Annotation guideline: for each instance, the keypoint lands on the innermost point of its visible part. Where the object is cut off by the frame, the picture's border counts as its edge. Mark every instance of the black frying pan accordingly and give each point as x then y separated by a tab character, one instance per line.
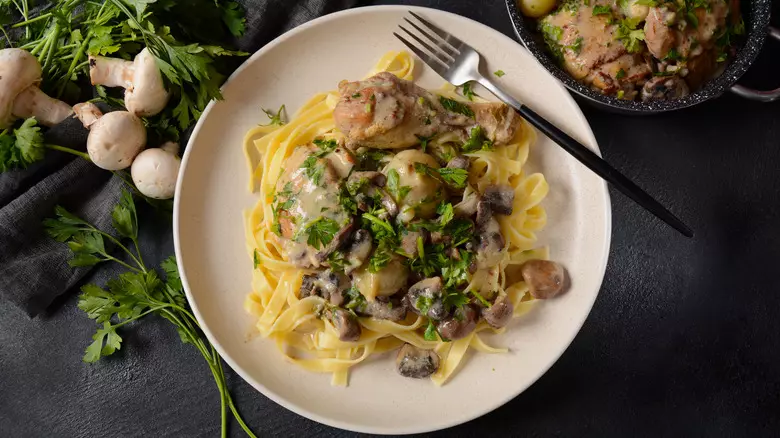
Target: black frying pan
756	15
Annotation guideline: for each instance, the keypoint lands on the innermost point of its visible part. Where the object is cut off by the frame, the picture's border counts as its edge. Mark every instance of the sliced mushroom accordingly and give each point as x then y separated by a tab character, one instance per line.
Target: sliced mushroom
357	251
499	313
545	279
327	284
345	323
425	298
20	97
500	198
383	308
339	239
460	324
145	93
664	88
459	162
415	362
468	206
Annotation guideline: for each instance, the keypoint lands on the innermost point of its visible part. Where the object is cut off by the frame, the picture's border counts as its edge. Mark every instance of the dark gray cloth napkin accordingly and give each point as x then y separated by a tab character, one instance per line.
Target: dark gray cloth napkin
33	267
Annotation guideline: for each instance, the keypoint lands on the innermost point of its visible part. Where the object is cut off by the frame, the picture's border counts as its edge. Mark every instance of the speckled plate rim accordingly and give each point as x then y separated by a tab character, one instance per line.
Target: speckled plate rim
600	264
756	35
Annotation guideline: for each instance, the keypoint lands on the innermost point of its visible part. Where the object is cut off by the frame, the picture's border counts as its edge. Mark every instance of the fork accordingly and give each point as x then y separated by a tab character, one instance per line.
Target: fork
458	63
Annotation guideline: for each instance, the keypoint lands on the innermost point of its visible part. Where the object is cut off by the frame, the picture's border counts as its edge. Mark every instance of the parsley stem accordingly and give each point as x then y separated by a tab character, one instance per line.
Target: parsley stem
31	20
132	268
116	241
55	147
72	67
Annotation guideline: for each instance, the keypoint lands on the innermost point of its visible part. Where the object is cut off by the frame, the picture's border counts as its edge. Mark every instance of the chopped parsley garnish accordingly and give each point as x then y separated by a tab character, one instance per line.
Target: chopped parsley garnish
320	232
468	91
370	159
313	170
356	95
629	35
336	261
673	55
355	300
326	146
602	10
255	259
477	141
480	298
620	74
424	141
446	213
650	3
346	200
274	119
452	176
430	332
620	94
552	36
665	73
423	303
367	108
576	47
456	107
399	192
499	73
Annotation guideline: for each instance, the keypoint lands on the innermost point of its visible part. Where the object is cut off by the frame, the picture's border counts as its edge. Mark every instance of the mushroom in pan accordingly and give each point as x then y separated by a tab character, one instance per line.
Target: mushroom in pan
20	97
415	362
155	171
114	138
545	279
664	88
145	93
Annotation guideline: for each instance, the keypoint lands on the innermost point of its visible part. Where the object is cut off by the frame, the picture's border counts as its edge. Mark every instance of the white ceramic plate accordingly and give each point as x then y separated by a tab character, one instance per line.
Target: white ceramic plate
209	236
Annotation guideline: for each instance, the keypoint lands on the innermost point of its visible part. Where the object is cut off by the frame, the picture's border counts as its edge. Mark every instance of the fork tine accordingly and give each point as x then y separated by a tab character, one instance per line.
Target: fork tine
442	45
438	31
434	63
435	51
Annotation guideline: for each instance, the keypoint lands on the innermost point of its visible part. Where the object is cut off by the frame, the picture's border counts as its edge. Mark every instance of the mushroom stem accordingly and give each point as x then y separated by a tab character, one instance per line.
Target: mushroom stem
88	113
32	102
111	72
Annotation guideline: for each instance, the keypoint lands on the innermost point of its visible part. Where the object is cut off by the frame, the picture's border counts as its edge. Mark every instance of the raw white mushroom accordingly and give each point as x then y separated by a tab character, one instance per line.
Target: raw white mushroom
145	93
155	171
114	138
20	97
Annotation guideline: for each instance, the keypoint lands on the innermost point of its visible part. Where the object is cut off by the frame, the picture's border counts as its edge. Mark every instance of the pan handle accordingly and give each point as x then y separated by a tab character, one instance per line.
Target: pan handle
761	96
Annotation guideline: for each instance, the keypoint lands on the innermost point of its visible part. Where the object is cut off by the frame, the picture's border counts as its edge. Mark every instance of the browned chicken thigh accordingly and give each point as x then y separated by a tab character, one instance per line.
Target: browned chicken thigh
386	112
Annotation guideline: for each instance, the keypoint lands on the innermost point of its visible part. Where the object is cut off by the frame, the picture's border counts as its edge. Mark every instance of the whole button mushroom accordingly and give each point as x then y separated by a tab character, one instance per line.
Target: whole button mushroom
155	171
20	97
145	93
114	138
499	313
545	279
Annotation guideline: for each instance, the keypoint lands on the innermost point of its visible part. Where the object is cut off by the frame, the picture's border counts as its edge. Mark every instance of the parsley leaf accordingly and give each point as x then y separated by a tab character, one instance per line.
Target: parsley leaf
326	146
430	332
393	181
446	213
456	107
23	148
255	259
620	74
233	18
468	91
629	35
313	169
499	73
320	232
602	10
124	217
274	119
477	141
97	349
454	177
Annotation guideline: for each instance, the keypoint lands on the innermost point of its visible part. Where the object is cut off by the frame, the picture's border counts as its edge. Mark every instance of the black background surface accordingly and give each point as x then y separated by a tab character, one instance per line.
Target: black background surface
684	338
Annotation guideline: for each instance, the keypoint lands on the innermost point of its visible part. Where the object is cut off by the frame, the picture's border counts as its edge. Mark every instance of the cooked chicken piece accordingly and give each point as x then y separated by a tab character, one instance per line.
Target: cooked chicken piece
386	112
659	35
307	193
588	40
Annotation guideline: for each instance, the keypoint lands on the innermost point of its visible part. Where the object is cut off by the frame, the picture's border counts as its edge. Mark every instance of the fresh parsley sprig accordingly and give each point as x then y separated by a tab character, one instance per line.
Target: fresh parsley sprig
134	294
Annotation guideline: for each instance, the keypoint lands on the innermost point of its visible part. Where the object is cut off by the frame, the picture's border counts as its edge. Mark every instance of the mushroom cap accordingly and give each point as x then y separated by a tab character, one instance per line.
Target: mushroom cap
154	173
148	96
18	71
115	139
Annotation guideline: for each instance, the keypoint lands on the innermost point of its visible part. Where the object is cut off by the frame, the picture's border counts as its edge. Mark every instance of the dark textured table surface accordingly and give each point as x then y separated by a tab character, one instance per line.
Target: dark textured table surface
684	339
